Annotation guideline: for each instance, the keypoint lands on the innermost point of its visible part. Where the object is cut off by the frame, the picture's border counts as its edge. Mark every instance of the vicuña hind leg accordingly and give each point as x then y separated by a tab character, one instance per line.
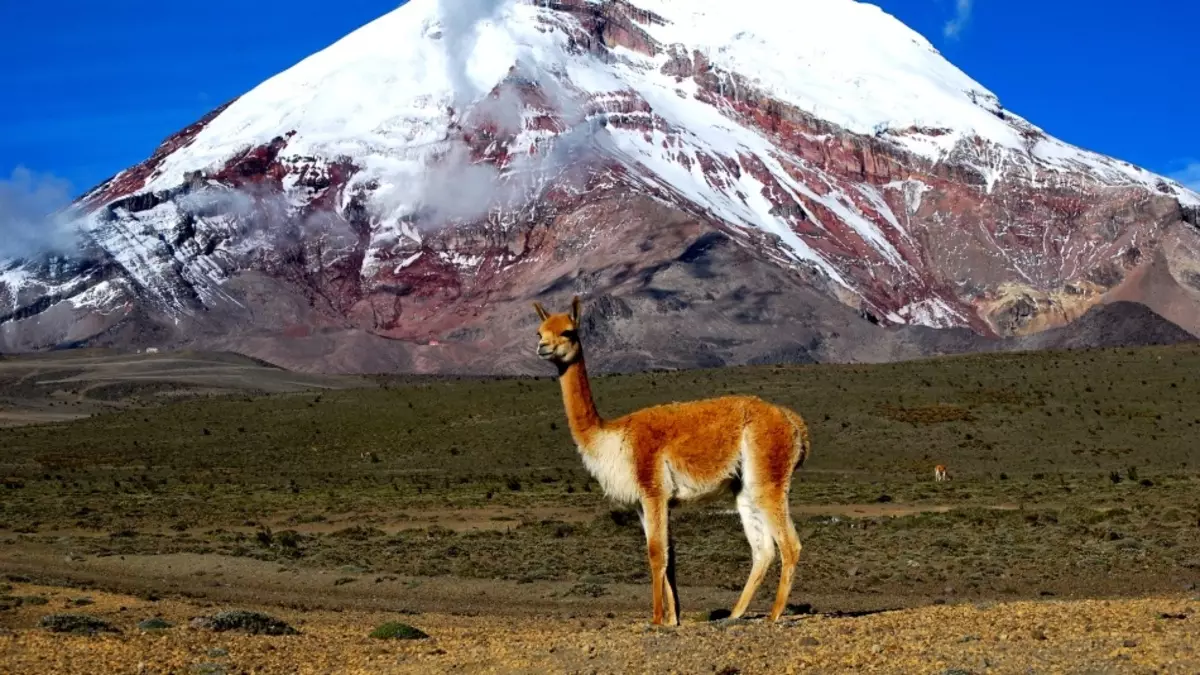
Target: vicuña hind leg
779	521
762	550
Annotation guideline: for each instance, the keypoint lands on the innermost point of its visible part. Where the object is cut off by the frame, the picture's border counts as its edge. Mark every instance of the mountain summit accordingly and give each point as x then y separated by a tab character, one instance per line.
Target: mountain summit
724	182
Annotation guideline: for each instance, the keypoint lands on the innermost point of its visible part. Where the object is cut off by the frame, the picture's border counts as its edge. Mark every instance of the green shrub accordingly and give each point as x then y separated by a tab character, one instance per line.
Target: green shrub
77	624
254	623
394	630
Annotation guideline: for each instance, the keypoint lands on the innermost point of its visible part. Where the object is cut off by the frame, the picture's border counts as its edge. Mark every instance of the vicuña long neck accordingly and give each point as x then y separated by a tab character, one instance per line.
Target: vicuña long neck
581	408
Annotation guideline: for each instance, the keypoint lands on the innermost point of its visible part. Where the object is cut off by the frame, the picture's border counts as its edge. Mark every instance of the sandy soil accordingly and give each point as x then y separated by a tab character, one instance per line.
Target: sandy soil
1127	636
62	386
226	580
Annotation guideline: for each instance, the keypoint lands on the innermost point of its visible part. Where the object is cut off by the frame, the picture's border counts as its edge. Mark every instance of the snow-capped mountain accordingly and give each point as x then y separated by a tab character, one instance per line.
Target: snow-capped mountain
728	182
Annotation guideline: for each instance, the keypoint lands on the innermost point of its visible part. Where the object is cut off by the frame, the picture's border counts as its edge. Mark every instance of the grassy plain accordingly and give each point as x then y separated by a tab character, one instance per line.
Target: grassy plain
1072	474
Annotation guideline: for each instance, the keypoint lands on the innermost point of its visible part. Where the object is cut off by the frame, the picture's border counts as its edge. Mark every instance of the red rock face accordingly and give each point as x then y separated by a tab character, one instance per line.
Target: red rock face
609	25
1000	255
134	179
964	238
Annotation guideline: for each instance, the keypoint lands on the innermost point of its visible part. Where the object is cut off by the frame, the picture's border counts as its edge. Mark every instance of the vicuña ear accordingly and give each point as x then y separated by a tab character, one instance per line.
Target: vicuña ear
576	310
541	311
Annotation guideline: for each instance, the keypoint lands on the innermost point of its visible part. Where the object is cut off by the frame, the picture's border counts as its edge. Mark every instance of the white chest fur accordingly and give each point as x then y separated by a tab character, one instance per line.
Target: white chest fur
611	464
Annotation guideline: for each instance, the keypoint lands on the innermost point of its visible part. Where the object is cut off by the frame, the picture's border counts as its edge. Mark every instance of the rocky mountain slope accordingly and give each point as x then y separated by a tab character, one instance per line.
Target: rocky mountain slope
719	190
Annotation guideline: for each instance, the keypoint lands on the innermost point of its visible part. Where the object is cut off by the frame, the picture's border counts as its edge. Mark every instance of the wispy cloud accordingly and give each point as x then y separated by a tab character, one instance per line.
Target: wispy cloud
461	21
1189	175
35	215
962	15
458	188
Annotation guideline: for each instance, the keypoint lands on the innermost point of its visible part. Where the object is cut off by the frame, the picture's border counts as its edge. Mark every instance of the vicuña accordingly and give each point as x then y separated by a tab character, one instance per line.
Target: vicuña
682	451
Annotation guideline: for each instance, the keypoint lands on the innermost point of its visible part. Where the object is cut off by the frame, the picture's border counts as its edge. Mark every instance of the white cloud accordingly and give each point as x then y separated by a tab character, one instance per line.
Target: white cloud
1189	176
962	14
35	214
461	21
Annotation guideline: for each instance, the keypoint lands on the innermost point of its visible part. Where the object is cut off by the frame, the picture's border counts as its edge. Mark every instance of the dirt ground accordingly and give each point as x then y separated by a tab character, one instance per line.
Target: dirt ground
1143	635
74	384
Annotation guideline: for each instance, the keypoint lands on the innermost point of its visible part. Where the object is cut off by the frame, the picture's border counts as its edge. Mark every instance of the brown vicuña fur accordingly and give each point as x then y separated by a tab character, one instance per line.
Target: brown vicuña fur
939	472
682	451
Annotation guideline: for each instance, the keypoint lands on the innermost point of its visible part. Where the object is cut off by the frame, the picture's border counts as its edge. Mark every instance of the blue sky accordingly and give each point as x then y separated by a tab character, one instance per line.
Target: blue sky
92	87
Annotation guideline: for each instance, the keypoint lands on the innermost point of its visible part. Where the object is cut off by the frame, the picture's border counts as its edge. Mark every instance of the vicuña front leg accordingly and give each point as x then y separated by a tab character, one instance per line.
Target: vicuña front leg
671	585
654	519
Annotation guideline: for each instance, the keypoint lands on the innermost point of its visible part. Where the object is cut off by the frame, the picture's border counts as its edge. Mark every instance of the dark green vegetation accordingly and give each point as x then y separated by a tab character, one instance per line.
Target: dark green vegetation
154	623
245	621
77	624
394	630
1070	472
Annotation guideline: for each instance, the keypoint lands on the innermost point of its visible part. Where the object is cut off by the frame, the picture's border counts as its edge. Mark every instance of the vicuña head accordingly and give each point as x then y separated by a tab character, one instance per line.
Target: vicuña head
558	336
741	445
